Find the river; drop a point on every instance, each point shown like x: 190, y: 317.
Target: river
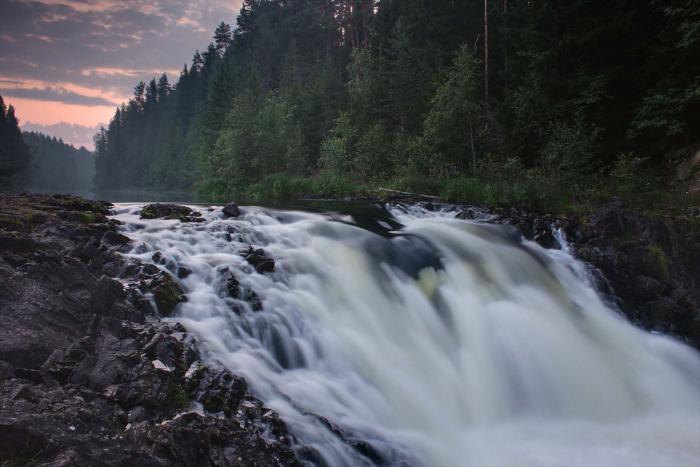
x: 402, y: 336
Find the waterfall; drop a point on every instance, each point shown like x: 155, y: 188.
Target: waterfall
x: 429, y: 340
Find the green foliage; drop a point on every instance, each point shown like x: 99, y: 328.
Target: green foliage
x: 259, y: 138
x: 570, y: 148
x: 663, y: 112
x: 628, y: 174
x: 454, y: 117
x: 328, y: 98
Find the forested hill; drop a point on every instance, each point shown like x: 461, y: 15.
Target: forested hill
x: 526, y: 102
x: 14, y: 154
x: 57, y: 166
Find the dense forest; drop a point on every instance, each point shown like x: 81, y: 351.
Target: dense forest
x: 33, y: 161
x: 14, y: 153
x: 508, y: 101
x: 57, y: 166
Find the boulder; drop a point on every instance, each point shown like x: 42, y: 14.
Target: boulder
x: 231, y: 210
x: 259, y: 259
x: 183, y: 272
x: 171, y: 211
x: 167, y: 293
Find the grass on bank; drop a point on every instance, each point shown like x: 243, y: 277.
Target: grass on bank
x: 532, y: 190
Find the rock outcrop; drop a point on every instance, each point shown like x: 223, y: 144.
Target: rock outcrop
x: 231, y: 210
x: 650, y: 266
x: 89, y: 375
x: 171, y: 212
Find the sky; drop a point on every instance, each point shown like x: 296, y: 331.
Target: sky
x: 66, y: 64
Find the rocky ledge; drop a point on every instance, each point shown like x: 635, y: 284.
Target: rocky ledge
x: 648, y: 266
x: 88, y: 374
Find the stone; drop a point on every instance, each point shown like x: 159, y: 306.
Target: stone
x: 259, y: 260
x: 167, y: 293
x: 7, y: 371
x: 231, y: 210
x: 165, y: 211
x: 115, y: 238
x: 183, y: 272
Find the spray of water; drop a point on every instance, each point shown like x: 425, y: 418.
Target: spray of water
x: 441, y: 343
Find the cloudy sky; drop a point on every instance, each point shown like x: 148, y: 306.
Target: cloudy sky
x: 66, y: 64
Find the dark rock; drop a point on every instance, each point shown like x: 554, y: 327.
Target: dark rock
x: 468, y: 214
x: 183, y: 272
x: 7, y: 371
x: 150, y: 270
x: 231, y: 284
x: 259, y: 260
x: 252, y: 297
x: 220, y: 391
x: 650, y: 265
x: 158, y: 258
x: 545, y: 239
x: 232, y: 210
x: 165, y: 211
x: 234, y: 289
x: 85, y: 378
x: 220, y: 442
x: 171, y: 211
x: 167, y: 293
x: 115, y: 238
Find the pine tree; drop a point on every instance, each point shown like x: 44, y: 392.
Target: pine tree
x: 163, y: 87
x: 14, y: 153
x: 222, y: 38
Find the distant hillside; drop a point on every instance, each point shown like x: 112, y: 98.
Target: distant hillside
x: 56, y: 165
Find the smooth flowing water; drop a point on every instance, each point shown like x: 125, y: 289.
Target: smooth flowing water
x: 432, y: 341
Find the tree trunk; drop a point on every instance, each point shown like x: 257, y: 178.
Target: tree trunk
x: 471, y: 138
x: 486, y: 54
x: 505, y: 40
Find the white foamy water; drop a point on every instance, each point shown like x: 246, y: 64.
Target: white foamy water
x: 452, y: 343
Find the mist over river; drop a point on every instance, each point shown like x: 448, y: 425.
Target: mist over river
x: 401, y: 336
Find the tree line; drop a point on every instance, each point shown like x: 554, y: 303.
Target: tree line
x: 57, y: 166
x: 483, y: 100
x: 14, y: 153
x: 34, y: 161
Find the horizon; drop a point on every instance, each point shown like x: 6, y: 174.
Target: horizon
x: 68, y: 64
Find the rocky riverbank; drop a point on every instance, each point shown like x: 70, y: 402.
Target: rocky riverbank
x: 88, y: 373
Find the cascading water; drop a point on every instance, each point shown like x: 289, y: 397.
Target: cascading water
x: 441, y: 343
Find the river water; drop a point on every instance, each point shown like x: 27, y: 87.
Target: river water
x: 410, y: 337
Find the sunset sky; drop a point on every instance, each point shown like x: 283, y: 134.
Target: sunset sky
x: 69, y: 63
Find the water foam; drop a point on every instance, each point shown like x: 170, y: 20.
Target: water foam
x: 445, y: 343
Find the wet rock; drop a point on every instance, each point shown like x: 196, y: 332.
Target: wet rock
x: 78, y: 384
x: 259, y: 260
x: 221, y: 442
x: 650, y: 267
x: 220, y: 391
x: 232, y: 210
x: 158, y: 258
x: 234, y: 289
x: 252, y: 297
x: 467, y: 214
x: 545, y: 238
x: 183, y: 272
x: 167, y: 293
x: 170, y: 211
x: 115, y: 238
x: 165, y: 211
